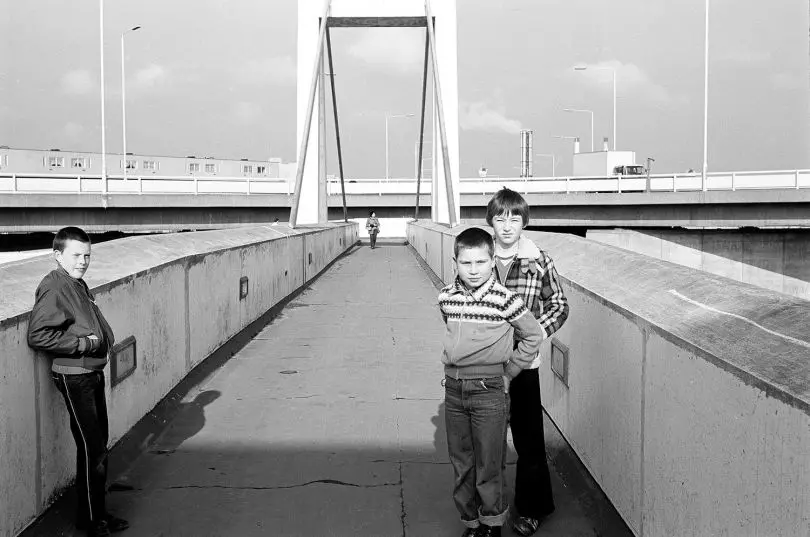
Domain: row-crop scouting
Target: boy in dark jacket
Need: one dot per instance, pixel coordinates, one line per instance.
(484, 320)
(67, 325)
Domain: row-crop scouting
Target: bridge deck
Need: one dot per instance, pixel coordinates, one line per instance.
(329, 422)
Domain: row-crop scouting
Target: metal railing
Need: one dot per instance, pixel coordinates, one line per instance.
(33, 183)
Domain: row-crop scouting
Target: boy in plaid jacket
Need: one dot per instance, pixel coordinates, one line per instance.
(528, 271)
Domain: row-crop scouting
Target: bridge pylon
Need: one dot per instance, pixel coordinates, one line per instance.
(309, 204)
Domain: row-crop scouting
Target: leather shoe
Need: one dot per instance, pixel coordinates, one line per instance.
(98, 529)
(470, 532)
(488, 531)
(116, 524)
(525, 526)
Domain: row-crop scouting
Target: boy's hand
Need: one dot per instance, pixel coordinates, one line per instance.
(506, 381)
(89, 343)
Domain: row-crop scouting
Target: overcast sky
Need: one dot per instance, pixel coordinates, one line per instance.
(216, 77)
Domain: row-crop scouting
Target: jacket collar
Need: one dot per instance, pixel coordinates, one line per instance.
(527, 249)
(527, 253)
(477, 294)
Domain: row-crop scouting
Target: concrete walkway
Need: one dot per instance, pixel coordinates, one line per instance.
(329, 422)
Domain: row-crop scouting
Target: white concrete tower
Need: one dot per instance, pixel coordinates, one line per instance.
(366, 13)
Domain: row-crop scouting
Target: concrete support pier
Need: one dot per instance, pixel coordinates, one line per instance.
(329, 422)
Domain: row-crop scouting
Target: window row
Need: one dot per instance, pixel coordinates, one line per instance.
(247, 169)
(84, 163)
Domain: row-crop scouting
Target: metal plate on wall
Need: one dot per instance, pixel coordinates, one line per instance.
(559, 360)
(123, 360)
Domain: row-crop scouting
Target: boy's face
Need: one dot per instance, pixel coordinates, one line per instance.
(75, 258)
(474, 266)
(508, 228)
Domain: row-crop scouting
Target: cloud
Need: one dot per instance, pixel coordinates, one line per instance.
(789, 81)
(246, 113)
(485, 117)
(629, 79)
(743, 55)
(279, 70)
(78, 82)
(74, 131)
(151, 76)
(398, 51)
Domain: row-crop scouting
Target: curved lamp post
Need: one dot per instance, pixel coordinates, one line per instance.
(124, 100)
(611, 69)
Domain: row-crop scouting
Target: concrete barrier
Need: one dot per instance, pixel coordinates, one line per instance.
(775, 260)
(687, 395)
(178, 295)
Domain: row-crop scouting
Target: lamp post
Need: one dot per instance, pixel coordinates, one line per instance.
(553, 161)
(387, 117)
(704, 185)
(124, 100)
(584, 111)
(103, 134)
(612, 70)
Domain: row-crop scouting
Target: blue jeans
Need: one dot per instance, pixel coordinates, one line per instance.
(476, 413)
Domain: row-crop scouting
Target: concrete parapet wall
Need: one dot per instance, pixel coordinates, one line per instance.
(178, 295)
(688, 395)
(776, 260)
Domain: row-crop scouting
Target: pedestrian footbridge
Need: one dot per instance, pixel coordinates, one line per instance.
(277, 381)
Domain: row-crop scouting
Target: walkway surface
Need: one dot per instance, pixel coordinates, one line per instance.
(329, 422)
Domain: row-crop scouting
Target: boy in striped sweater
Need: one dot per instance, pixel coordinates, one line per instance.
(484, 320)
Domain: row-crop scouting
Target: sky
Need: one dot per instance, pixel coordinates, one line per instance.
(216, 77)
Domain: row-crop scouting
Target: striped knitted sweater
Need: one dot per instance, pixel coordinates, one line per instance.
(482, 326)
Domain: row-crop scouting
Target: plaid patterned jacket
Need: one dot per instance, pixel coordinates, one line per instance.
(534, 278)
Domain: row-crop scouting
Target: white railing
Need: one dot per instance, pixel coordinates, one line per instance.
(32, 183)
(188, 184)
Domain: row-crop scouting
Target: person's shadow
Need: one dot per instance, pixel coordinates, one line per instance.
(440, 434)
(188, 421)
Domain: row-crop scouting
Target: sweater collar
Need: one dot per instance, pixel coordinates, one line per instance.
(477, 294)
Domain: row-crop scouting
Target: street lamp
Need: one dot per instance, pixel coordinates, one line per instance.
(103, 134)
(585, 111)
(124, 99)
(704, 186)
(387, 117)
(611, 69)
(417, 164)
(553, 161)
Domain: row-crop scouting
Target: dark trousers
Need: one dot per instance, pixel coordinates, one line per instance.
(533, 497)
(475, 414)
(87, 407)
(373, 236)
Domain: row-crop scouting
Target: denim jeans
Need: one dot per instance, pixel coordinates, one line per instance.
(476, 412)
(87, 407)
(533, 497)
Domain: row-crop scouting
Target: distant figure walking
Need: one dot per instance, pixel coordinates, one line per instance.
(373, 228)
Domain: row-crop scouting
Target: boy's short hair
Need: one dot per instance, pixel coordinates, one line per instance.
(507, 201)
(474, 237)
(69, 234)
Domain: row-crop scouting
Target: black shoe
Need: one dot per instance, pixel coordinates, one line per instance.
(525, 525)
(470, 532)
(488, 531)
(98, 529)
(115, 524)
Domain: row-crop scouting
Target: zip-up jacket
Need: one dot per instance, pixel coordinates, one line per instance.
(533, 276)
(482, 326)
(63, 316)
